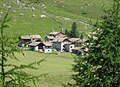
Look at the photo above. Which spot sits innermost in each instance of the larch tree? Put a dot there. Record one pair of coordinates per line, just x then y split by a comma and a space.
12, 75
101, 67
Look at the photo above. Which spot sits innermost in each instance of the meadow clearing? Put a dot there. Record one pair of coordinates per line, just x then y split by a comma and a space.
56, 67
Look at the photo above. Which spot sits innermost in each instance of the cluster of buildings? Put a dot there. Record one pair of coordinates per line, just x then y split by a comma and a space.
56, 41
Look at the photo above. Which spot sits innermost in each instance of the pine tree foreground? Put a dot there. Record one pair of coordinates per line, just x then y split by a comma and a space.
13, 75
101, 68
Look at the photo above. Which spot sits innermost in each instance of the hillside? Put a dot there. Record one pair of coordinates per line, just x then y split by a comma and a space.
59, 15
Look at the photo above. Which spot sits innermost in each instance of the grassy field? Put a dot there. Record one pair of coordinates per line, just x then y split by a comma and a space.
56, 66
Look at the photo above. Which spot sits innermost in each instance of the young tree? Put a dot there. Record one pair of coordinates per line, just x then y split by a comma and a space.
74, 32
14, 75
101, 67
67, 32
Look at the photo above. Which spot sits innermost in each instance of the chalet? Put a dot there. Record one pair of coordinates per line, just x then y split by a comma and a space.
76, 41
58, 44
35, 46
45, 47
63, 43
54, 35
27, 39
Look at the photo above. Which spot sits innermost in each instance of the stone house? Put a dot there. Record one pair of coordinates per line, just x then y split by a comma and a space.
45, 47
27, 39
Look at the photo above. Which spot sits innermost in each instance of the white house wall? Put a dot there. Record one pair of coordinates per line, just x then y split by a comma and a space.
47, 49
71, 47
36, 48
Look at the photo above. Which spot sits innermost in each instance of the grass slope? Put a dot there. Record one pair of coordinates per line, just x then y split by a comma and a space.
57, 67
76, 10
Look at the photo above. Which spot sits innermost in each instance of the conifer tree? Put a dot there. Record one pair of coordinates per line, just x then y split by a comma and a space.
101, 67
12, 75
74, 32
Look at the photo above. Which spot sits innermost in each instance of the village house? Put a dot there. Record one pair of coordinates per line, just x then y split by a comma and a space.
58, 44
61, 42
54, 40
51, 36
45, 47
27, 39
76, 41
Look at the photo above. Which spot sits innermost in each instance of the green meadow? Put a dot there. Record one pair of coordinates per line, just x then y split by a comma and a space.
56, 67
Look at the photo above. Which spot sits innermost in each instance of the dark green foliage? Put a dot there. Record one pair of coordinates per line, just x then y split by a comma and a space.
101, 67
14, 75
67, 32
74, 32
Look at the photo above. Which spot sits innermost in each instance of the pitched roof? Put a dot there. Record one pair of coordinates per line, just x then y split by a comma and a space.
61, 35
25, 37
68, 43
30, 37
54, 33
47, 43
35, 36
58, 39
34, 43
74, 39
50, 37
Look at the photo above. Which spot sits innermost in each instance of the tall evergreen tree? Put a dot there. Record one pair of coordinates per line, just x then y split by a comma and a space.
101, 67
74, 32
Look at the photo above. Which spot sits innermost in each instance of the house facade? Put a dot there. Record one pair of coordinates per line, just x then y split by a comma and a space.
27, 39
68, 47
45, 47
54, 40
